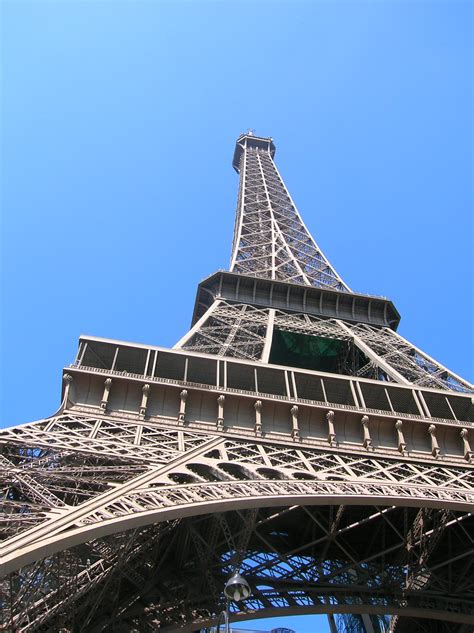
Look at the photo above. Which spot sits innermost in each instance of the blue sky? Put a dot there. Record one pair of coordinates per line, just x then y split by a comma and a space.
118, 196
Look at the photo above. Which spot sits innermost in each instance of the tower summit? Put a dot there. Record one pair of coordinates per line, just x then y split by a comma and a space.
284, 297
270, 238
292, 435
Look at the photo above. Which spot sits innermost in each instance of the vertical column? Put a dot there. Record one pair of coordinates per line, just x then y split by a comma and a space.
105, 396
435, 451
295, 431
67, 380
144, 402
402, 447
258, 418
468, 454
183, 396
367, 439
220, 412
331, 431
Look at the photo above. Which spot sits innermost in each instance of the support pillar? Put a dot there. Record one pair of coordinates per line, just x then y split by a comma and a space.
295, 431
67, 380
435, 451
258, 418
105, 396
367, 439
331, 432
183, 396
220, 412
402, 446
468, 453
143, 405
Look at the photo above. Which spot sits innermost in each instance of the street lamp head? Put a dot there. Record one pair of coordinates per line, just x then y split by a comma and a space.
237, 588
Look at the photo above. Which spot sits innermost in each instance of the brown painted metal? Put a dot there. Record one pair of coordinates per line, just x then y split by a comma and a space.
163, 471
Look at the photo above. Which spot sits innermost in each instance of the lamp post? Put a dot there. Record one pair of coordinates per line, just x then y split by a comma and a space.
236, 589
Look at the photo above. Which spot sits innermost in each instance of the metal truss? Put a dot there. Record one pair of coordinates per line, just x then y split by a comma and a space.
245, 331
270, 238
415, 366
150, 524
165, 471
229, 329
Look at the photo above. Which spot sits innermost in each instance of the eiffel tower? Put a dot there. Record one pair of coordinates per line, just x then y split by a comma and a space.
292, 434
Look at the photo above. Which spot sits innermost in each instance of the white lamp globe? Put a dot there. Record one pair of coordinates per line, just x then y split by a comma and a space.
237, 588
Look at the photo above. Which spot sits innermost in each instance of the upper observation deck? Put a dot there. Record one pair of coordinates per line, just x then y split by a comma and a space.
248, 141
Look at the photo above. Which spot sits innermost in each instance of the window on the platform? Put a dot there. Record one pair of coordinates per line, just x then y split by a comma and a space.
336, 356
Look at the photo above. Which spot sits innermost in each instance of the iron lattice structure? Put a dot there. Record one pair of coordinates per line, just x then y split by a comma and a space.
292, 433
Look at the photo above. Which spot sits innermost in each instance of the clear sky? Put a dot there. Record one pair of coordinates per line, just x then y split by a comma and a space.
118, 196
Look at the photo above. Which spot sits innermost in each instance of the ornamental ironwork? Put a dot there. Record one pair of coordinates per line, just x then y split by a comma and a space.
291, 435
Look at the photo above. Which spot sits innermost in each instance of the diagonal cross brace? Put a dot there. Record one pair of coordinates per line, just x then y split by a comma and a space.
72, 517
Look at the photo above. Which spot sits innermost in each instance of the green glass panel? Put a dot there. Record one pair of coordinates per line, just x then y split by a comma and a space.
308, 352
